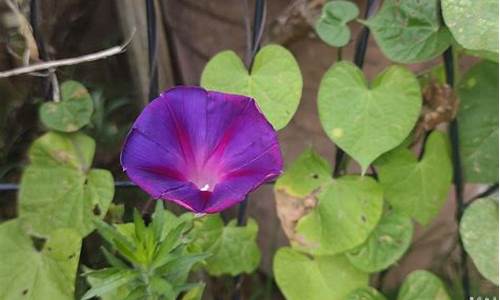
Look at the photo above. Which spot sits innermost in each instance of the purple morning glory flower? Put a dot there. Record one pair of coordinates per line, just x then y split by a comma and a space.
200, 149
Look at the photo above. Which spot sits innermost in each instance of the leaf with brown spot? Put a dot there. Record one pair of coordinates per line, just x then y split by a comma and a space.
59, 189
32, 272
295, 191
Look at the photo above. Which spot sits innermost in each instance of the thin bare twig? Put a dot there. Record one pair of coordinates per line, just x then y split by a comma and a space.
56, 96
68, 61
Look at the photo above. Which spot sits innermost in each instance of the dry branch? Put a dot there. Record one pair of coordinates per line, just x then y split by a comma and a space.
68, 61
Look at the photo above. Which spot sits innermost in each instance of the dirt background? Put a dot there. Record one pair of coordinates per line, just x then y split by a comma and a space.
190, 32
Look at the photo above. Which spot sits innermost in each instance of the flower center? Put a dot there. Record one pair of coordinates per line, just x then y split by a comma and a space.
205, 179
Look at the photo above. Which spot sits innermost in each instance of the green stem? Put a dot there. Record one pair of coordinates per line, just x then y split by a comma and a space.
449, 64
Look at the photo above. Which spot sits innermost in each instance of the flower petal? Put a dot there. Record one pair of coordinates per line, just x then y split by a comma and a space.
202, 150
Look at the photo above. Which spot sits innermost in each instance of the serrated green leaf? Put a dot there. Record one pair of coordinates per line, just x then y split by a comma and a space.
139, 226
58, 190
113, 260
45, 273
177, 270
275, 81
135, 294
417, 188
474, 24
306, 174
368, 121
195, 293
365, 293
72, 112
172, 240
386, 244
96, 277
422, 284
164, 221
348, 211
235, 251
332, 25
479, 233
123, 243
159, 218
205, 233
301, 277
478, 122
409, 31
160, 286
110, 283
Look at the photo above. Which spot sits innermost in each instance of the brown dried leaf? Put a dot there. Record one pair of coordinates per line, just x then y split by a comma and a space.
290, 210
440, 105
295, 21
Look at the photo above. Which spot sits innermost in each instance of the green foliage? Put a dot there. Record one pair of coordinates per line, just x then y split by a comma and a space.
422, 284
234, 248
154, 261
59, 189
365, 293
106, 124
409, 31
306, 174
386, 244
417, 188
151, 261
34, 268
368, 121
195, 293
348, 210
479, 234
332, 25
478, 122
474, 24
483, 54
72, 112
275, 81
315, 278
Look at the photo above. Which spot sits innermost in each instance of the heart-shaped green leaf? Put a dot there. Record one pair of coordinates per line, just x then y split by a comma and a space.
301, 277
420, 285
386, 244
59, 189
332, 25
473, 23
409, 31
274, 82
366, 122
233, 249
306, 174
417, 188
479, 233
365, 293
478, 122
34, 268
348, 211
72, 112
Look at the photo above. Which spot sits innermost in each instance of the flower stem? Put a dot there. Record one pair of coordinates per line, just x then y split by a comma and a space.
257, 32
449, 67
152, 49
